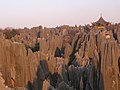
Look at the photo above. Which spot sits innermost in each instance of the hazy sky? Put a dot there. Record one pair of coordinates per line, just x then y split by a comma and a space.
28, 13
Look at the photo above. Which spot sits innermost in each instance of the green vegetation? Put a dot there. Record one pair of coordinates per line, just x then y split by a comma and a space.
10, 33
36, 48
27, 46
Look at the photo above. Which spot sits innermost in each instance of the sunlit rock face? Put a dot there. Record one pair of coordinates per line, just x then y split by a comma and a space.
109, 54
17, 65
61, 58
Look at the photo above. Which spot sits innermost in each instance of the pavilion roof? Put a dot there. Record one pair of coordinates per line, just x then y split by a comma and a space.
101, 21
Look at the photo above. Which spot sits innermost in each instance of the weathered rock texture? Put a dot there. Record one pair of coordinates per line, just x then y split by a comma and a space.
61, 58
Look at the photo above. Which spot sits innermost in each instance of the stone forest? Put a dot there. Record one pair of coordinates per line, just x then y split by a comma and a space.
61, 58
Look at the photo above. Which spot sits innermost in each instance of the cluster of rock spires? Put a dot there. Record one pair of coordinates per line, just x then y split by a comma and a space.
61, 58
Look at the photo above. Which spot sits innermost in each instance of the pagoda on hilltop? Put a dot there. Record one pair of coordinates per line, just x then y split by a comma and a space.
101, 23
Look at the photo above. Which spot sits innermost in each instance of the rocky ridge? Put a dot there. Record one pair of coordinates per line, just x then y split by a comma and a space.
61, 58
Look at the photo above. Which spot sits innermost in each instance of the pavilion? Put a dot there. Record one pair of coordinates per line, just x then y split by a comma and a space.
101, 23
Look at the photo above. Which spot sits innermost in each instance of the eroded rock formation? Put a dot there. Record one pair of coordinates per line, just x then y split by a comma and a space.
61, 58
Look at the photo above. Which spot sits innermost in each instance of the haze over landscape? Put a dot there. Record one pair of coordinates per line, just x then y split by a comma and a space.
59, 45
50, 13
